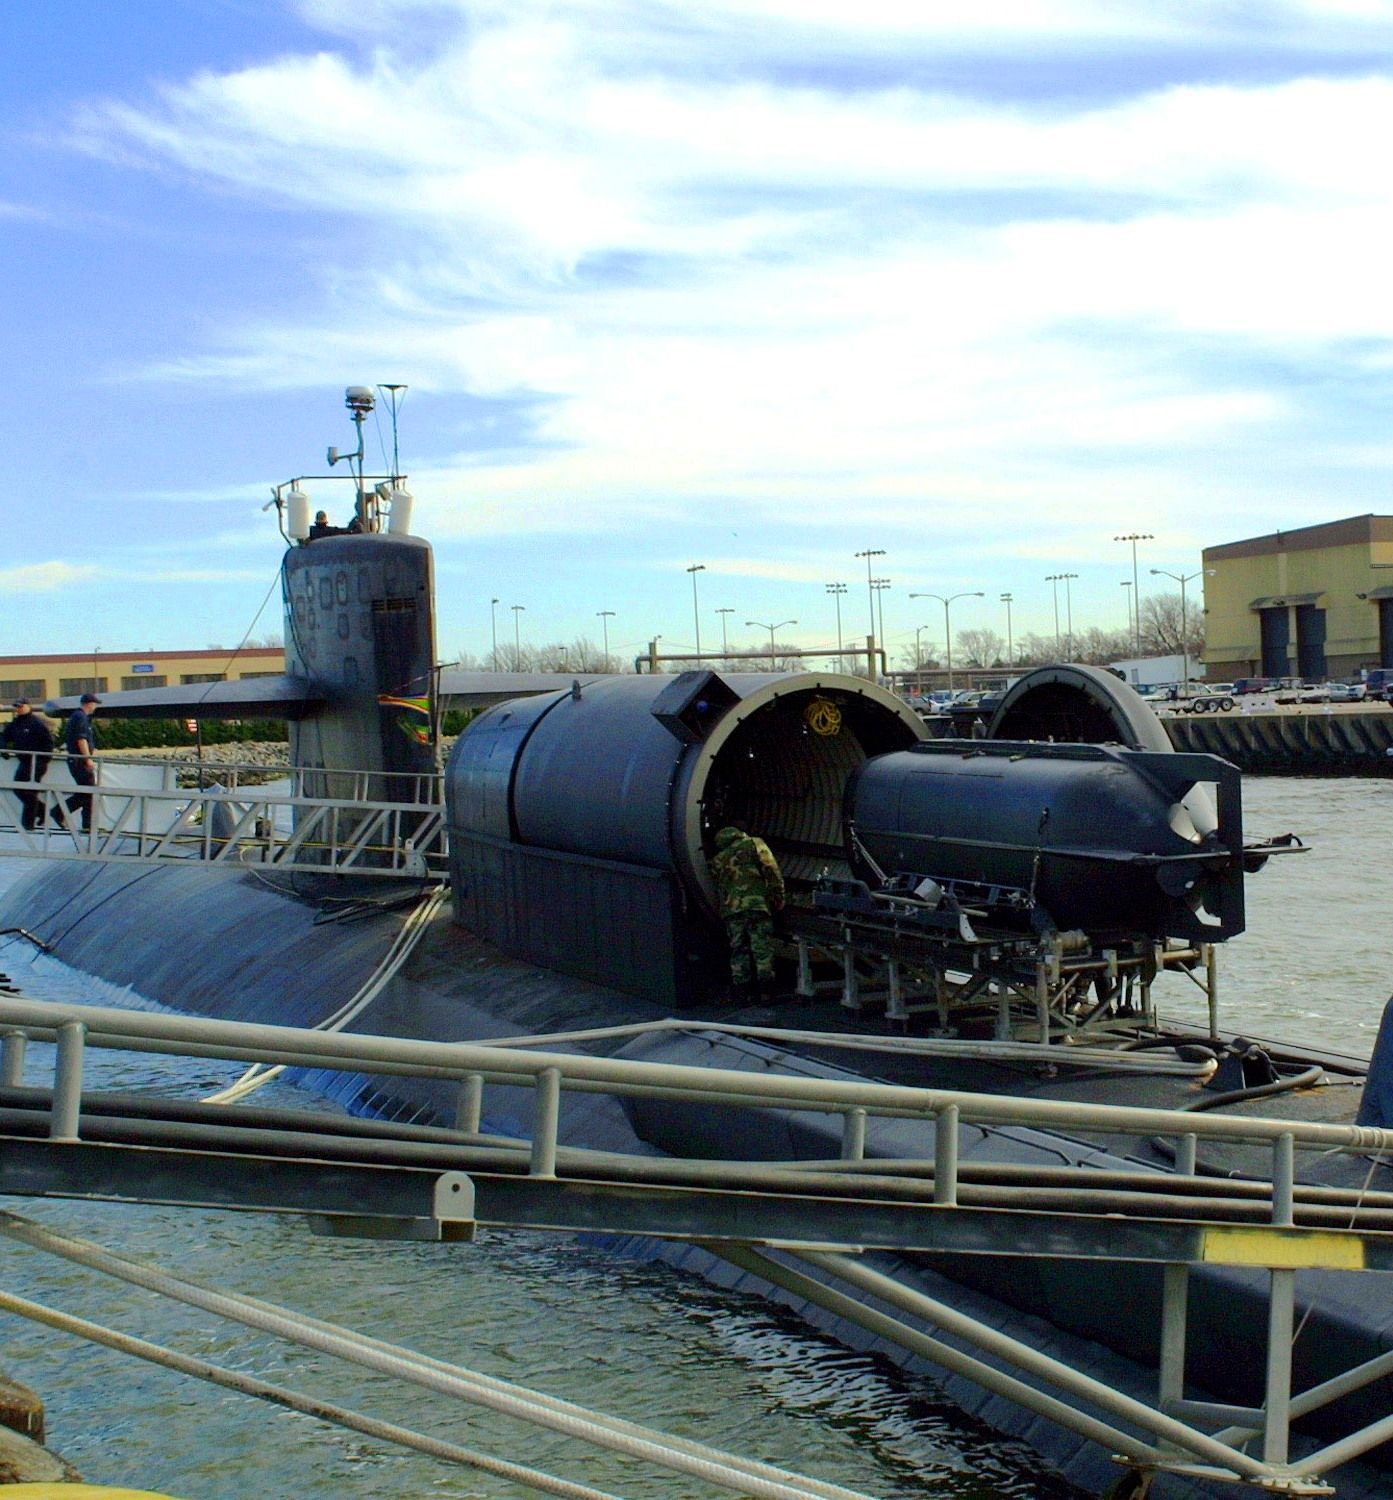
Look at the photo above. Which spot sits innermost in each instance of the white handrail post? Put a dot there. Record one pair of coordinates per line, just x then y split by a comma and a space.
946, 1156
469, 1103
546, 1117
12, 1059
67, 1082
854, 1134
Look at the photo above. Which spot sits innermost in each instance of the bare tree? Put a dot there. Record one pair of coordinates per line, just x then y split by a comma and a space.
1098, 647
980, 647
1161, 633
1036, 651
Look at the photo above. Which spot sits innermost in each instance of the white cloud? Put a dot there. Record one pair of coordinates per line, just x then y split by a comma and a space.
715, 288
44, 577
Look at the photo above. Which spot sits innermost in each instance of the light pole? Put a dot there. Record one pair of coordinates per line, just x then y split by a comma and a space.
605, 616
947, 626
1131, 633
696, 616
1053, 578
1182, 579
868, 554
725, 645
1007, 600
837, 590
919, 657
1069, 614
493, 617
517, 610
879, 585
1134, 537
773, 665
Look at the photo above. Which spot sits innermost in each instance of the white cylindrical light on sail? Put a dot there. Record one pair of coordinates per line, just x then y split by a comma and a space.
297, 515
399, 523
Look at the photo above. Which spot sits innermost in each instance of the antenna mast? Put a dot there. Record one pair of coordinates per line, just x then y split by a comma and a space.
394, 402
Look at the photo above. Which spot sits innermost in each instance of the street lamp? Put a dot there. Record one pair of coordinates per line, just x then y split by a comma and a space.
947, 627
1131, 633
919, 656
605, 616
725, 646
879, 585
517, 610
868, 554
837, 590
696, 617
1053, 578
493, 617
1182, 580
1007, 600
1134, 537
773, 665
1068, 614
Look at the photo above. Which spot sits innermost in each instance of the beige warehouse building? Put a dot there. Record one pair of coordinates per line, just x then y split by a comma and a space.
40, 678
1316, 602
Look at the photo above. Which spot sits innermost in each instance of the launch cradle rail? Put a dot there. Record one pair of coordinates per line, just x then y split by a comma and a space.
818, 1217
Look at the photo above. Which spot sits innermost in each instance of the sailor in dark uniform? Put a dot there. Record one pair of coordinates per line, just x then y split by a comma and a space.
80, 741
30, 740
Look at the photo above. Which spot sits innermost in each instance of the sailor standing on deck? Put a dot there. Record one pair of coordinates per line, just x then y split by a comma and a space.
30, 740
80, 741
751, 887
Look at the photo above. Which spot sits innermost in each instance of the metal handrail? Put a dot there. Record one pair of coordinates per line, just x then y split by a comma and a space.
106, 1026
350, 832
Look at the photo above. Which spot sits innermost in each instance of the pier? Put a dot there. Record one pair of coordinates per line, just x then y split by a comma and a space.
1312, 739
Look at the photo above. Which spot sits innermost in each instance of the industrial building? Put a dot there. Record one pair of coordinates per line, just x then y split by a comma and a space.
40, 678
1316, 602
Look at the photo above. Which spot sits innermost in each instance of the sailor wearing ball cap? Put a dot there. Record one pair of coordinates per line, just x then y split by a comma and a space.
80, 741
30, 741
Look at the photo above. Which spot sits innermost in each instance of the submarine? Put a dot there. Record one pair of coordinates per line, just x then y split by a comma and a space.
991, 899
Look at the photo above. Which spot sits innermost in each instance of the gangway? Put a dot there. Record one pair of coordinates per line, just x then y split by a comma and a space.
815, 1228
305, 819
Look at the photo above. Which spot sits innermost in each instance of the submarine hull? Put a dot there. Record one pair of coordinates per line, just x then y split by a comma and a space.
268, 959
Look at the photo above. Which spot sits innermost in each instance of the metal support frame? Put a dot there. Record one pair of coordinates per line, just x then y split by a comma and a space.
1035, 987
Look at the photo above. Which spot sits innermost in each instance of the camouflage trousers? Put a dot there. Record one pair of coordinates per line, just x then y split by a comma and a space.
751, 938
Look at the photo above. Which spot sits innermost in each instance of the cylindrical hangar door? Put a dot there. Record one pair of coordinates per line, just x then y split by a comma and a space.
580, 823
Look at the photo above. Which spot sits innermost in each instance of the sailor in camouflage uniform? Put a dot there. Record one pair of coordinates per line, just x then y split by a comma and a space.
751, 889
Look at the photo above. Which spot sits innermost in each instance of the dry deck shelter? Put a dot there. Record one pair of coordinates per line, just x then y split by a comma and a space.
1315, 602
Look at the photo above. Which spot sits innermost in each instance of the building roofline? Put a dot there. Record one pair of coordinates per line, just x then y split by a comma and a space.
89, 657
1351, 531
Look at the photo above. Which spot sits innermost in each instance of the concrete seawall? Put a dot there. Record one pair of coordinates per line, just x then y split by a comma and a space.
1312, 740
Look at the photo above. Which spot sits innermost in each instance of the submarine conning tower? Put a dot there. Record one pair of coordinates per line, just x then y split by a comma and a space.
580, 822
359, 612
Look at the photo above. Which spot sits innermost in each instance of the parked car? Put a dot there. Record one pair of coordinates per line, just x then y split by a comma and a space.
1377, 682
1253, 685
1346, 692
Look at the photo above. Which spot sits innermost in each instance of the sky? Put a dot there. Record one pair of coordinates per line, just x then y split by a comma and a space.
751, 284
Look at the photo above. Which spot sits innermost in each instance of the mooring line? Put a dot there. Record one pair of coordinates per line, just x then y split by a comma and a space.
747, 1476
310, 1406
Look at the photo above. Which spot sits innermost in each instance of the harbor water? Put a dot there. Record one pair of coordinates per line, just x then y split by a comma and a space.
567, 1317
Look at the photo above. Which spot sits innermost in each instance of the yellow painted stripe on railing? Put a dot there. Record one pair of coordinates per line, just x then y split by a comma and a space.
1282, 1249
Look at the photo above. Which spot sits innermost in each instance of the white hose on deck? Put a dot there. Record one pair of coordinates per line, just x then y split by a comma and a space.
403, 946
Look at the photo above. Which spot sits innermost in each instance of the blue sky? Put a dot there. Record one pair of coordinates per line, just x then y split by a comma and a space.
751, 283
